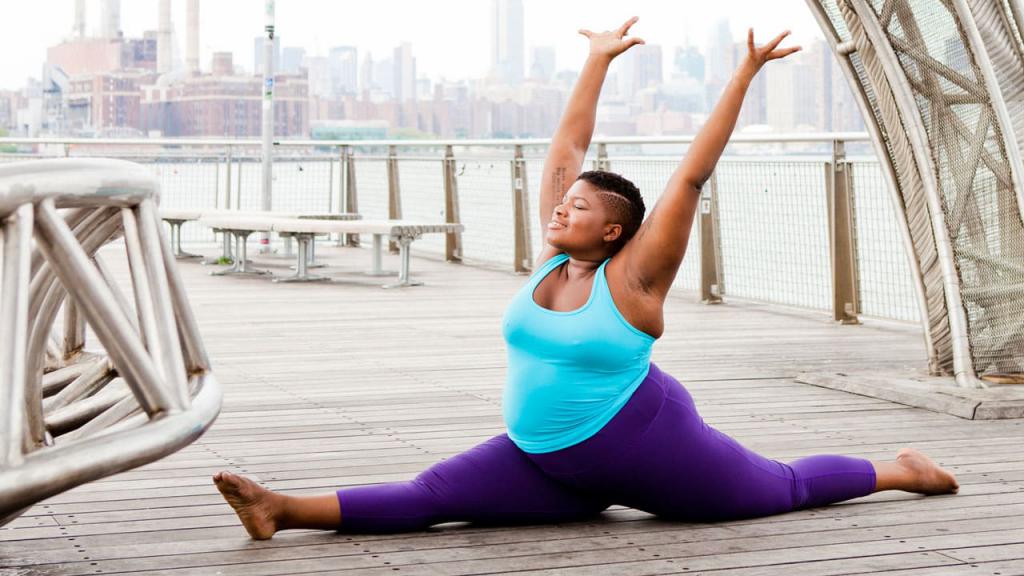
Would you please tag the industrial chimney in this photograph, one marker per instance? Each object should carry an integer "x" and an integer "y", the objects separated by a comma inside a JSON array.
[
  {"x": 164, "y": 50},
  {"x": 79, "y": 30},
  {"x": 110, "y": 15},
  {"x": 192, "y": 50}
]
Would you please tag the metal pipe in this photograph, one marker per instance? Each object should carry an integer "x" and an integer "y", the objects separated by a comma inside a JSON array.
[
  {"x": 169, "y": 359},
  {"x": 14, "y": 296},
  {"x": 50, "y": 472},
  {"x": 70, "y": 262},
  {"x": 195, "y": 354}
]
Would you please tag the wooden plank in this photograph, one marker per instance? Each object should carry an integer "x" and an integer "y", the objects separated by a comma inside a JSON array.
[{"x": 335, "y": 385}]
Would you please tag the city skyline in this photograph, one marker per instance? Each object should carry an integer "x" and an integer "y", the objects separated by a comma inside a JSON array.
[
  {"x": 121, "y": 84},
  {"x": 441, "y": 47}
]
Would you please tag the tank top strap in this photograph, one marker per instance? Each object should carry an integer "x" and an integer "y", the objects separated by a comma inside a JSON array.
[{"x": 601, "y": 282}]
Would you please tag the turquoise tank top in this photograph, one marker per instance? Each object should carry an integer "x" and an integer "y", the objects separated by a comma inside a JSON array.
[{"x": 569, "y": 373}]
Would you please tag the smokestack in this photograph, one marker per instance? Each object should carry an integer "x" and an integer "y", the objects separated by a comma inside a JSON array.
[
  {"x": 110, "y": 18},
  {"x": 192, "y": 50},
  {"x": 79, "y": 30},
  {"x": 163, "y": 38}
]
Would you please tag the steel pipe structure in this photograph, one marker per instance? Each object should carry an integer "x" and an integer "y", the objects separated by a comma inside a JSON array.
[
  {"x": 70, "y": 414},
  {"x": 941, "y": 86}
]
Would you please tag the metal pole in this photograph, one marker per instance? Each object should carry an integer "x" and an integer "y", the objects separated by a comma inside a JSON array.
[
  {"x": 602, "y": 157},
  {"x": 710, "y": 241},
  {"x": 351, "y": 198},
  {"x": 14, "y": 299},
  {"x": 266, "y": 203},
  {"x": 520, "y": 208},
  {"x": 227, "y": 184},
  {"x": 394, "y": 193},
  {"x": 453, "y": 241},
  {"x": 845, "y": 304}
]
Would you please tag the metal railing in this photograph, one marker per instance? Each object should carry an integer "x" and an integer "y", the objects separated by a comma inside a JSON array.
[{"x": 801, "y": 219}]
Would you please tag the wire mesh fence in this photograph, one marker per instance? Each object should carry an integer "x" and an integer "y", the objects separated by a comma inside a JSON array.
[
  {"x": 774, "y": 230},
  {"x": 886, "y": 284},
  {"x": 773, "y": 211}
]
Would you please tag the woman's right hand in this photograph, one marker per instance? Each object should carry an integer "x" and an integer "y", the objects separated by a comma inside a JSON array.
[{"x": 611, "y": 43}]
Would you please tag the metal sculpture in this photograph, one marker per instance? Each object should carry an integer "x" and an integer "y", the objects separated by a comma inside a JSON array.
[
  {"x": 941, "y": 85},
  {"x": 72, "y": 414}
]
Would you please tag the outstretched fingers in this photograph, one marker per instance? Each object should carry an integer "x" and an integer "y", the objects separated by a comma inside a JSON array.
[
  {"x": 624, "y": 29},
  {"x": 776, "y": 41},
  {"x": 774, "y": 54},
  {"x": 585, "y": 32}
]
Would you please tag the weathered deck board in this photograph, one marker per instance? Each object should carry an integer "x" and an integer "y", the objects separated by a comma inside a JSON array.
[{"x": 345, "y": 384}]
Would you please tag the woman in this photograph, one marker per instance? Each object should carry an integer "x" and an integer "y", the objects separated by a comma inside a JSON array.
[{"x": 591, "y": 422}]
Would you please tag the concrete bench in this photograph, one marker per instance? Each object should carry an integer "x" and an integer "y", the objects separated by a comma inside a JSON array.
[
  {"x": 175, "y": 218},
  {"x": 403, "y": 232}
]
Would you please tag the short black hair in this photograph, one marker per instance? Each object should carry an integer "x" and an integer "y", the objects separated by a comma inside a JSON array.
[{"x": 623, "y": 198}]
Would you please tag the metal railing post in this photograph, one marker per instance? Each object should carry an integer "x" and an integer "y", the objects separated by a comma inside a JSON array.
[
  {"x": 602, "y": 158},
  {"x": 453, "y": 241},
  {"x": 394, "y": 193},
  {"x": 227, "y": 183},
  {"x": 330, "y": 184},
  {"x": 711, "y": 285},
  {"x": 523, "y": 263},
  {"x": 845, "y": 301},
  {"x": 349, "y": 198}
]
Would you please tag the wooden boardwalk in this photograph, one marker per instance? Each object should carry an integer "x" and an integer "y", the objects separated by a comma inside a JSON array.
[{"x": 347, "y": 384}]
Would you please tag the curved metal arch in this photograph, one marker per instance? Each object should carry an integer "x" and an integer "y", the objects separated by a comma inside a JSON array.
[
  {"x": 69, "y": 415},
  {"x": 956, "y": 184}
]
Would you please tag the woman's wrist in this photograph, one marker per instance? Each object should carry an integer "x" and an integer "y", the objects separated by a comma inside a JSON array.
[{"x": 746, "y": 70}]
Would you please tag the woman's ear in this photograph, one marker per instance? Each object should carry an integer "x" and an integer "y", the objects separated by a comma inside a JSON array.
[{"x": 612, "y": 232}]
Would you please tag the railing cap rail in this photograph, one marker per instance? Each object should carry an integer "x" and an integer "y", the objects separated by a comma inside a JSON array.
[
  {"x": 796, "y": 137},
  {"x": 75, "y": 182}
]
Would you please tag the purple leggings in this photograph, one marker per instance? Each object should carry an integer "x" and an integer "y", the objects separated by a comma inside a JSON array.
[{"x": 655, "y": 455}]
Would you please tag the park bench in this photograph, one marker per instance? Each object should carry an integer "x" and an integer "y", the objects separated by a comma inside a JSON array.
[{"x": 303, "y": 230}]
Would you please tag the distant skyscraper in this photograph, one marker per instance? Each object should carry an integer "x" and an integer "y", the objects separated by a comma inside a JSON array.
[
  {"x": 343, "y": 63},
  {"x": 507, "y": 40},
  {"x": 384, "y": 75},
  {"x": 257, "y": 52},
  {"x": 688, "y": 63},
  {"x": 721, "y": 56},
  {"x": 318, "y": 75},
  {"x": 291, "y": 59},
  {"x": 366, "y": 74},
  {"x": 781, "y": 92},
  {"x": 542, "y": 63},
  {"x": 755, "y": 104},
  {"x": 404, "y": 73},
  {"x": 721, "y": 61},
  {"x": 641, "y": 68}
]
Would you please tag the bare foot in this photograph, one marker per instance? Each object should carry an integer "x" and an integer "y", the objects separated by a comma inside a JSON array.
[
  {"x": 253, "y": 503},
  {"x": 927, "y": 477}
]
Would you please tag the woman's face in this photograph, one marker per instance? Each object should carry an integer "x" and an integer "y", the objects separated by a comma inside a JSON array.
[{"x": 580, "y": 223}]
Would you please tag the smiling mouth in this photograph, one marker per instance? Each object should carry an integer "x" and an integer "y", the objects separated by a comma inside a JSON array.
[{"x": 552, "y": 225}]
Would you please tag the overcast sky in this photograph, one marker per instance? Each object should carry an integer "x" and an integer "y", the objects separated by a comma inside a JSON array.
[{"x": 449, "y": 37}]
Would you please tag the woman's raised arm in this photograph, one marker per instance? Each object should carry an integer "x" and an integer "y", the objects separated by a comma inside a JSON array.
[
  {"x": 572, "y": 138},
  {"x": 652, "y": 257}
]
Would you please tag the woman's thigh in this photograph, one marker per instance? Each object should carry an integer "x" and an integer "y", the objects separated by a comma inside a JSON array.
[
  {"x": 496, "y": 482},
  {"x": 661, "y": 457}
]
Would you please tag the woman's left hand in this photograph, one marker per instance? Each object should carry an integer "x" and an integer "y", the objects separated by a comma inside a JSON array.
[{"x": 757, "y": 56}]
